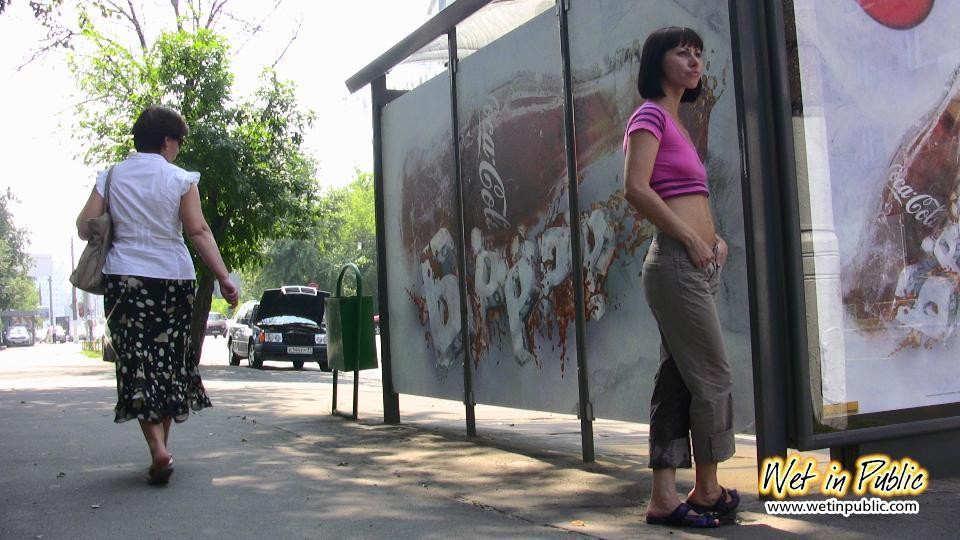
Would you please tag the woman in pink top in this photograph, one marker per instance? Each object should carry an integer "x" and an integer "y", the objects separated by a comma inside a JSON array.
[{"x": 666, "y": 181}]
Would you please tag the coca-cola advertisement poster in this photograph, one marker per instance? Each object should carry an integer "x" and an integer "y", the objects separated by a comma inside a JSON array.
[
  {"x": 517, "y": 235},
  {"x": 421, "y": 227},
  {"x": 879, "y": 165},
  {"x": 516, "y": 221},
  {"x": 622, "y": 340}
]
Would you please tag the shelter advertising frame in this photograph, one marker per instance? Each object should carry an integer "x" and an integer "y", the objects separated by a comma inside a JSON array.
[
  {"x": 784, "y": 321},
  {"x": 879, "y": 238}
]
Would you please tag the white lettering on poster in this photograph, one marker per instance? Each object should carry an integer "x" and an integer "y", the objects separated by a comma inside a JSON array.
[
  {"x": 923, "y": 207},
  {"x": 599, "y": 247},
  {"x": 931, "y": 311},
  {"x": 442, "y": 296},
  {"x": 490, "y": 274},
  {"x": 947, "y": 248},
  {"x": 932, "y": 298},
  {"x": 554, "y": 257},
  {"x": 492, "y": 192},
  {"x": 520, "y": 289},
  {"x": 517, "y": 288}
]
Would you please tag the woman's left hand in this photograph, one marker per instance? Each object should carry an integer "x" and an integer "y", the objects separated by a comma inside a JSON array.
[
  {"x": 722, "y": 252},
  {"x": 229, "y": 291}
]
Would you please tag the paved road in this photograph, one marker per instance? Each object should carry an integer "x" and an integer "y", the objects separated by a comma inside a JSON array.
[{"x": 269, "y": 461}]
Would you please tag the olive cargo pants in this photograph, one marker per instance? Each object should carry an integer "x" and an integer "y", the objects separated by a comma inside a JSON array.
[{"x": 692, "y": 389}]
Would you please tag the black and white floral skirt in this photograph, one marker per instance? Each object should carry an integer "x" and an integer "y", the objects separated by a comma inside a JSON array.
[{"x": 157, "y": 373}]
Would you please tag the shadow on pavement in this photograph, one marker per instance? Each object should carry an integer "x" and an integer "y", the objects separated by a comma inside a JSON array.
[{"x": 269, "y": 460}]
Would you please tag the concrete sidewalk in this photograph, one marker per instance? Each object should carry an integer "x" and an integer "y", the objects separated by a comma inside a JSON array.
[
  {"x": 607, "y": 498},
  {"x": 270, "y": 461}
]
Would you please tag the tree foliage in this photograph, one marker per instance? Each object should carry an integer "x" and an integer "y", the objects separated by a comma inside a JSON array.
[
  {"x": 346, "y": 234},
  {"x": 256, "y": 182},
  {"x": 65, "y": 21},
  {"x": 17, "y": 289}
]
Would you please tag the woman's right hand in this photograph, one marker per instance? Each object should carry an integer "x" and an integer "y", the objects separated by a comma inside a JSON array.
[
  {"x": 229, "y": 291},
  {"x": 700, "y": 252}
]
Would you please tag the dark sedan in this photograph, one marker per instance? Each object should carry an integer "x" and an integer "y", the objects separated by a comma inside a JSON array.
[
  {"x": 287, "y": 326},
  {"x": 216, "y": 324}
]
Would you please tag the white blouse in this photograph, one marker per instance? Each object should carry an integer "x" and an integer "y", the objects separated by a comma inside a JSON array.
[{"x": 145, "y": 194}]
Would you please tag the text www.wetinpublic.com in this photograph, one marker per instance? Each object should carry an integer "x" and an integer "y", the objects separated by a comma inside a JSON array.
[{"x": 834, "y": 506}]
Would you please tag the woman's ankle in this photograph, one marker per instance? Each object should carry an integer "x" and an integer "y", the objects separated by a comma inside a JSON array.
[
  {"x": 705, "y": 494},
  {"x": 161, "y": 457},
  {"x": 663, "y": 501}
]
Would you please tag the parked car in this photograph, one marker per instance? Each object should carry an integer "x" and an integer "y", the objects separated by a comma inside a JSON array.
[
  {"x": 239, "y": 329},
  {"x": 216, "y": 324},
  {"x": 19, "y": 335},
  {"x": 286, "y": 326}
]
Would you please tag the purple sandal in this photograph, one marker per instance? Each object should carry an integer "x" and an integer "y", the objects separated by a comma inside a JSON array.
[
  {"x": 680, "y": 517},
  {"x": 722, "y": 507}
]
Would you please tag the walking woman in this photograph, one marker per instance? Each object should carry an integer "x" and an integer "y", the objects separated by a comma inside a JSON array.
[
  {"x": 151, "y": 281},
  {"x": 666, "y": 182}
]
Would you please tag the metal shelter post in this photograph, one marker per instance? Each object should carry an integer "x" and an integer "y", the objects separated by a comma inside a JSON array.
[
  {"x": 380, "y": 96},
  {"x": 584, "y": 406},
  {"x": 469, "y": 402},
  {"x": 771, "y": 223}
]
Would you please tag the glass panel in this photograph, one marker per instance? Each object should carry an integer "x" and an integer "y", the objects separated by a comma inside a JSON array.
[
  {"x": 622, "y": 339},
  {"x": 513, "y": 162},
  {"x": 421, "y": 66},
  {"x": 496, "y": 20},
  {"x": 421, "y": 229}
]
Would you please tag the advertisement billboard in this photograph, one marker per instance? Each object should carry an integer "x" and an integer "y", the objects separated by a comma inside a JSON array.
[
  {"x": 878, "y": 142},
  {"x": 513, "y": 164},
  {"x": 517, "y": 238},
  {"x": 622, "y": 340},
  {"x": 421, "y": 228}
]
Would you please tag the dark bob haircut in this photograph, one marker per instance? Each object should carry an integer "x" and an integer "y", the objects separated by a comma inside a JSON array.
[
  {"x": 651, "y": 60},
  {"x": 155, "y": 123}
]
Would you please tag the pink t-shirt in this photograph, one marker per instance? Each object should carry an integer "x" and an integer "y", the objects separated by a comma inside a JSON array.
[{"x": 677, "y": 170}]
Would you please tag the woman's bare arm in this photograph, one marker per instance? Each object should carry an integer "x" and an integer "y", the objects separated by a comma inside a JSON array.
[
  {"x": 92, "y": 209},
  {"x": 195, "y": 225}
]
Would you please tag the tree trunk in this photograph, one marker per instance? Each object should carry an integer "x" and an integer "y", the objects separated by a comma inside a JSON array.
[
  {"x": 205, "y": 279},
  {"x": 201, "y": 308}
]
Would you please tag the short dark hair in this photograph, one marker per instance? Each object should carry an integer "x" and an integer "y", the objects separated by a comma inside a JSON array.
[
  {"x": 155, "y": 123},
  {"x": 651, "y": 61}
]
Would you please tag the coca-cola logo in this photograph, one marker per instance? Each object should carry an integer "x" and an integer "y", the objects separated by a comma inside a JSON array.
[
  {"x": 923, "y": 207},
  {"x": 492, "y": 192}
]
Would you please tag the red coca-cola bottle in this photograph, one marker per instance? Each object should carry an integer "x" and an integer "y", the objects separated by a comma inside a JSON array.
[{"x": 911, "y": 237}]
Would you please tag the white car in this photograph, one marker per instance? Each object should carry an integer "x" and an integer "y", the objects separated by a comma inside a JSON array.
[
  {"x": 19, "y": 335},
  {"x": 59, "y": 334},
  {"x": 239, "y": 328}
]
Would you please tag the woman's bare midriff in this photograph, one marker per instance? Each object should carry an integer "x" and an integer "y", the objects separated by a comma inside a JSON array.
[{"x": 694, "y": 210}]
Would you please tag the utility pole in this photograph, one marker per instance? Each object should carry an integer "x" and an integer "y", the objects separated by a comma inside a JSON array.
[
  {"x": 50, "y": 293},
  {"x": 86, "y": 315},
  {"x": 73, "y": 294}
]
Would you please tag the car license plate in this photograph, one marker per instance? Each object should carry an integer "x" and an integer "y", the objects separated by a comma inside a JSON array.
[{"x": 299, "y": 350}]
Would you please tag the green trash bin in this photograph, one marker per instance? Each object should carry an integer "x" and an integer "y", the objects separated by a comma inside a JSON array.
[{"x": 350, "y": 341}]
